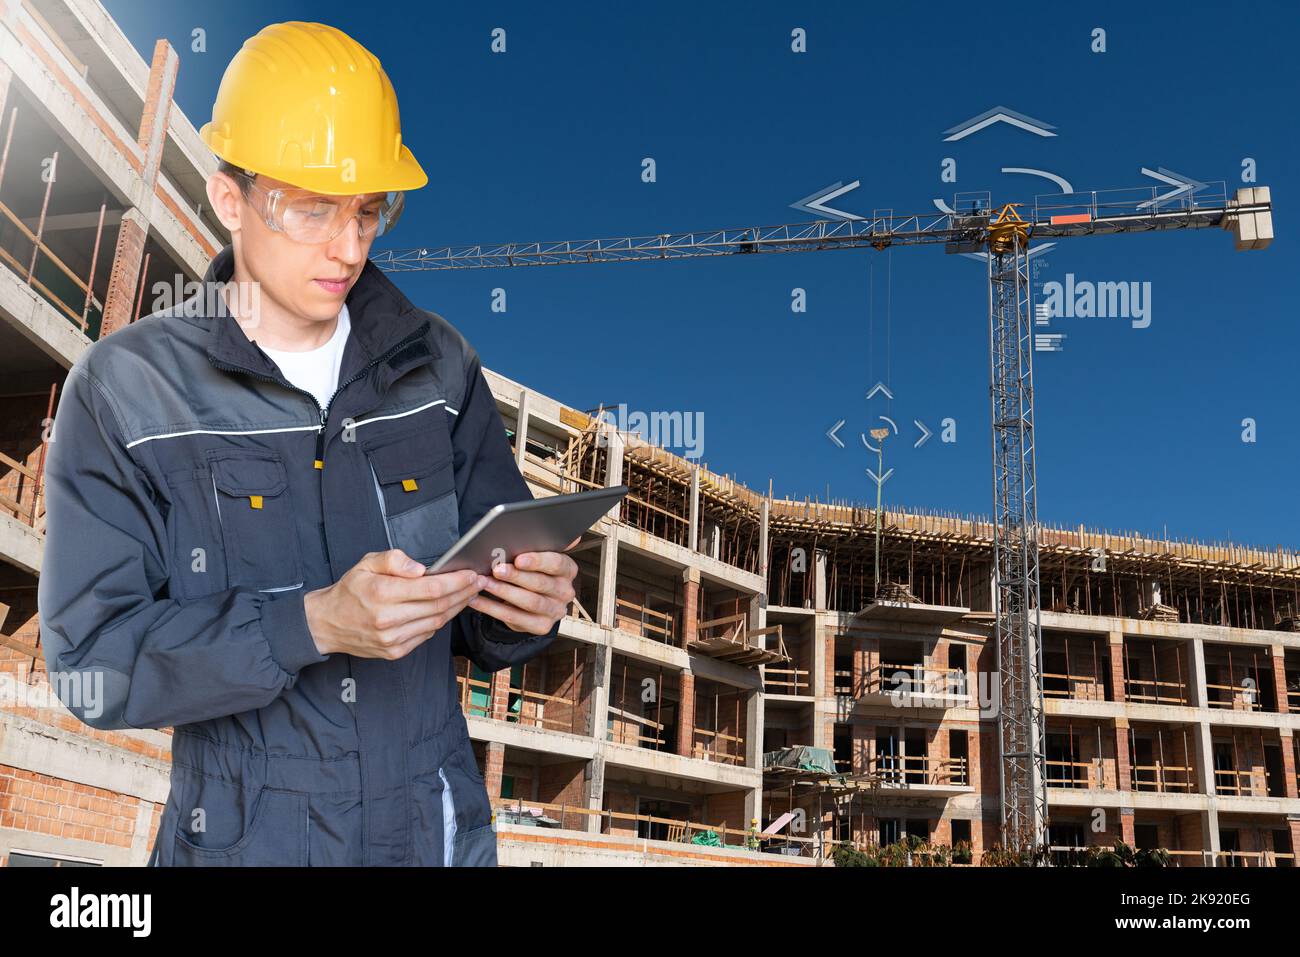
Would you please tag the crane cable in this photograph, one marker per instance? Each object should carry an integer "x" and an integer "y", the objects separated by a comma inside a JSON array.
[
  {"x": 889, "y": 327},
  {"x": 871, "y": 324}
]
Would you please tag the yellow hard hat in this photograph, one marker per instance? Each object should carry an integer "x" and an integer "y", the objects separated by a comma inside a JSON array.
[{"x": 307, "y": 104}]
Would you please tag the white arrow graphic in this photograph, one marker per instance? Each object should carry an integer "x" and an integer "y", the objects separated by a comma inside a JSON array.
[
  {"x": 880, "y": 479},
  {"x": 816, "y": 202},
  {"x": 830, "y": 433},
  {"x": 921, "y": 441},
  {"x": 1183, "y": 183},
  {"x": 880, "y": 387},
  {"x": 999, "y": 114},
  {"x": 1060, "y": 181}
]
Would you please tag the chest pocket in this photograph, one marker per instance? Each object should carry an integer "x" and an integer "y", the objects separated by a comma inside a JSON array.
[
  {"x": 415, "y": 487},
  {"x": 258, "y": 522}
]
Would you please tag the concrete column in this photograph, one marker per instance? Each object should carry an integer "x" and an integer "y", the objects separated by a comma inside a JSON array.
[
  {"x": 1205, "y": 780},
  {"x": 905, "y": 751},
  {"x": 1210, "y": 834},
  {"x": 494, "y": 769},
  {"x": 710, "y": 538},
  {"x": 693, "y": 534},
  {"x": 521, "y": 429},
  {"x": 1116, "y": 644},
  {"x": 686, "y": 715},
  {"x": 820, "y": 559},
  {"x": 1279, "y": 679},
  {"x": 602, "y": 657},
  {"x": 614, "y": 447},
  {"x": 1123, "y": 770},
  {"x": 753, "y": 807},
  {"x": 824, "y": 732},
  {"x": 607, "y": 590},
  {"x": 754, "y": 712},
  {"x": 1199, "y": 693},
  {"x": 1204, "y": 758},
  {"x": 595, "y": 793},
  {"x": 756, "y": 618},
  {"x": 762, "y": 545}
]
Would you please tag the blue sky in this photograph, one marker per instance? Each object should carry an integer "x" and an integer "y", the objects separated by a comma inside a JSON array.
[{"x": 1139, "y": 429}]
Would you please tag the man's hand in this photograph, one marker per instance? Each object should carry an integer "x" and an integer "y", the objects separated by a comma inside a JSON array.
[
  {"x": 386, "y": 606},
  {"x": 535, "y": 590}
]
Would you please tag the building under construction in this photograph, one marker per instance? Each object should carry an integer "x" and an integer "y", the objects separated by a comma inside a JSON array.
[{"x": 730, "y": 687}]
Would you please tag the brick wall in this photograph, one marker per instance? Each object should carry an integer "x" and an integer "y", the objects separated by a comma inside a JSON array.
[
  {"x": 563, "y": 784},
  {"x": 48, "y": 805},
  {"x": 727, "y": 808},
  {"x": 1189, "y": 836}
]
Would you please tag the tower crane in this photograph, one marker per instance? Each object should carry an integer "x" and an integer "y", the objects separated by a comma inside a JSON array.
[{"x": 1002, "y": 235}]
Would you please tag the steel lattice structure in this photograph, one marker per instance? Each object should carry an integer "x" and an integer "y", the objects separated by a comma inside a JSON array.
[
  {"x": 1004, "y": 238},
  {"x": 1018, "y": 631},
  {"x": 1055, "y": 215}
]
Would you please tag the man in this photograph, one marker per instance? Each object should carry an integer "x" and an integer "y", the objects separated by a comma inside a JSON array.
[{"x": 243, "y": 494}]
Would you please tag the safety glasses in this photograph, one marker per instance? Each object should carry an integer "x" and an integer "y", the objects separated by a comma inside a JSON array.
[{"x": 308, "y": 217}]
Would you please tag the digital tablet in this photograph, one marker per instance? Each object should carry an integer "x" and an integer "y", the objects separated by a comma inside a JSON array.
[{"x": 536, "y": 525}]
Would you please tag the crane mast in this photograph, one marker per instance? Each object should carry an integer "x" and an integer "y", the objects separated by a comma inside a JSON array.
[
  {"x": 1017, "y": 626},
  {"x": 1003, "y": 237}
]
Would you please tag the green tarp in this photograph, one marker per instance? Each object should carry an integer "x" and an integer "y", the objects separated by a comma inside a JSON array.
[{"x": 803, "y": 758}]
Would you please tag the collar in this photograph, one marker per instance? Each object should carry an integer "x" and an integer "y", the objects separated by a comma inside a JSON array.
[{"x": 381, "y": 317}]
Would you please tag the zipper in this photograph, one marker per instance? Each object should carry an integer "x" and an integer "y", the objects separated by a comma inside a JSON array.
[
  {"x": 324, "y": 417},
  {"x": 324, "y": 413},
  {"x": 285, "y": 383},
  {"x": 419, "y": 333}
]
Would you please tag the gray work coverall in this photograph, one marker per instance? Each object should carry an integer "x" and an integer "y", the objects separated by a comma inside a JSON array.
[{"x": 194, "y": 497}]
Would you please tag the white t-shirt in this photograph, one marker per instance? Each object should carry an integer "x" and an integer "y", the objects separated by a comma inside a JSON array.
[{"x": 316, "y": 370}]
